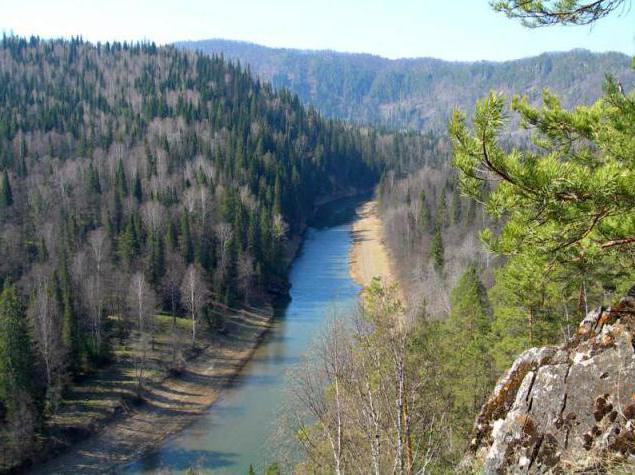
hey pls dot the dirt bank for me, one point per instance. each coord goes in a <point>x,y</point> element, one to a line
<point>170,405</point>
<point>369,256</point>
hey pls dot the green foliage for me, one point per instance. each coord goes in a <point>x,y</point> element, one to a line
<point>71,329</point>
<point>456,208</point>
<point>436,249</point>
<point>454,354</point>
<point>565,207</point>
<point>6,195</point>
<point>185,236</point>
<point>465,344</point>
<point>442,209</point>
<point>425,218</point>
<point>273,469</point>
<point>527,303</point>
<point>571,198</point>
<point>16,350</point>
<point>534,13</point>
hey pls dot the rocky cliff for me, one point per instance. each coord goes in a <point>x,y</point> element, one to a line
<point>567,408</point>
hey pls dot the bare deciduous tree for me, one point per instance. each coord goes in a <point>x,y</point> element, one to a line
<point>99,247</point>
<point>246,274</point>
<point>153,214</point>
<point>142,304</point>
<point>172,287</point>
<point>357,404</point>
<point>224,235</point>
<point>44,315</point>
<point>194,293</point>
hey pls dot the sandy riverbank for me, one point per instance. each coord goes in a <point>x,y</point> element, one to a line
<point>369,256</point>
<point>169,406</point>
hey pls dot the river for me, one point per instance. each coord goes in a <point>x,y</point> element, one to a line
<point>240,428</point>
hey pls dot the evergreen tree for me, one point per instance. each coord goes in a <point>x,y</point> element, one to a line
<point>71,335</point>
<point>536,13</point>
<point>94,185</point>
<point>455,208</point>
<point>528,306</point>
<point>437,250</point>
<point>6,195</point>
<point>137,190</point>
<point>185,239</point>
<point>425,217</point>
<point>16,350</point>
<point>121,182</point>
<point>465,343</point>
<point>128,244</point>
<point>156,258</point>
<point>442,207</point>
<point>571,199</point>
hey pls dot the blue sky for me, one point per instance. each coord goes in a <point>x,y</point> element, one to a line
<point>448,29</point>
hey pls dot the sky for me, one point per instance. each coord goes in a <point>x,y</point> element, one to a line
<point>464,30</point>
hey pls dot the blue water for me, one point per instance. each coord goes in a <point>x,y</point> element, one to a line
<point>239,428</point>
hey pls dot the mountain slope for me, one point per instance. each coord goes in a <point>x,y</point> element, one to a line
<point>417,93</point>
<point>135,180</point>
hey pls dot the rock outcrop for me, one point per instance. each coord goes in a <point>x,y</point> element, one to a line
<point>567,408</point>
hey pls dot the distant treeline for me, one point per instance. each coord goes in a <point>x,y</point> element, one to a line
<point>418,93</point>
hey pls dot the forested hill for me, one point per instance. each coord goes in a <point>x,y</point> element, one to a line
<point>418,93</point>
<point>134,179</point>
<point>159,149</point>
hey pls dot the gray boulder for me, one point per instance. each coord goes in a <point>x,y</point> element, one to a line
<point>567,408</point>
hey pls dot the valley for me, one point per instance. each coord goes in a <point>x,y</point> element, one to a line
<point>322,256</point>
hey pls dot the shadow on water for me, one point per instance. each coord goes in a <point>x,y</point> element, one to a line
<point>238,430</point>
<point>338,212</point>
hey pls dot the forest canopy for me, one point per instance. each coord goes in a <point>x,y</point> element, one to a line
<point>137,179</point>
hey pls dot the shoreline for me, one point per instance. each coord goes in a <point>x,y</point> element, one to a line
<point>133,431</point>
<point>168,407</point>
<point>369,256</point>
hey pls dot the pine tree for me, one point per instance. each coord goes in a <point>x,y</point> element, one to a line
<point>538,13</point>
<point>156,258</point>
<point>16,350</point>
<point>94,185</point>
<point>467,365</point>
<point>128,244</point>
<point>185,239</point>
<point>425,218</point>
<point>572,198</point>
<point>442,208</point>
<point>6,195</point>
<point>437,250</point>
<point>528,307</point>
<point>71,335</point>
<point>137,190</point>
<point>455,208</point>
<point>121,182</point>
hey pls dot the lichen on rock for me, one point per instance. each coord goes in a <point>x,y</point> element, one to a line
<point>566,408</point>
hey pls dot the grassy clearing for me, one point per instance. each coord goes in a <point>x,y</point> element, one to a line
<point>170,402</point>
<point>101,394</point>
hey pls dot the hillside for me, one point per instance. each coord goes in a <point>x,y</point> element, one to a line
<point>418,93</point>
<point>137,180</point>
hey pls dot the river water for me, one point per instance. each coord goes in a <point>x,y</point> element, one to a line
<point>240,428</point>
